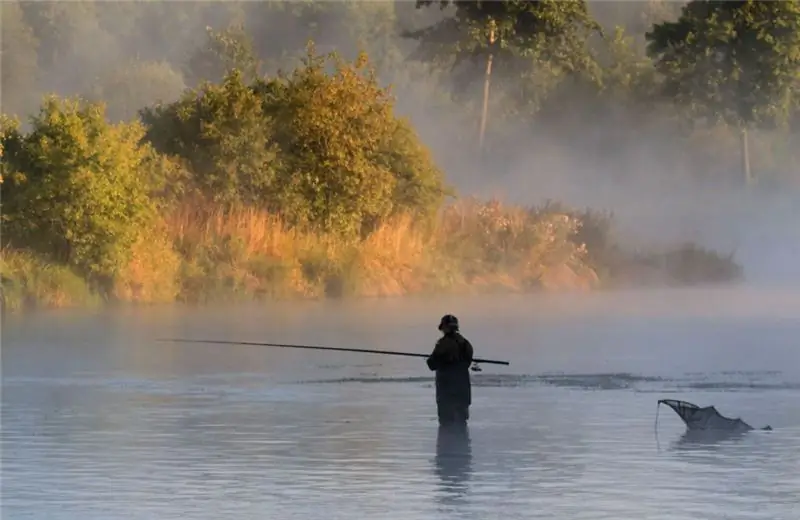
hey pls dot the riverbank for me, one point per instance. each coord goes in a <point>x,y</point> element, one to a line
<point>204,255</point>
<point>305,185</point>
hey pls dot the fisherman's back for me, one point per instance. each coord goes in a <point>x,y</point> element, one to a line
<point>451,359</point>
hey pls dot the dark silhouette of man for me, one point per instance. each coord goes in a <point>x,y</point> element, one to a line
<point>451,359</point>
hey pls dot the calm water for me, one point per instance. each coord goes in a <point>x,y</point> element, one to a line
<point>100,421</point>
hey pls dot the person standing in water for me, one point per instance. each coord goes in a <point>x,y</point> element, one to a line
<point>451,359</point>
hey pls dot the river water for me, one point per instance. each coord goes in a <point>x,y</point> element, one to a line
<point>100,421</point>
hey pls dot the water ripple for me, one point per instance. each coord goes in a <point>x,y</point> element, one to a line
<point>766,380</point>
<point>94,433</point>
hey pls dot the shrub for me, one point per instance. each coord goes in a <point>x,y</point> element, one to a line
<point>222,137</point>
<point>322,149</point>
<point>151,273</point>
<point>30,282</point>
<point>74,188</point>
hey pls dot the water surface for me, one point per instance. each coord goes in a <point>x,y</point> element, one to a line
<point>100,421</point>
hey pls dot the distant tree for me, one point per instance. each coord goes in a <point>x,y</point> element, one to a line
<point>636,18</point>
<point>731,61</point>
<point>73,47</point>
<point>135,84</point>
<point>18,66</point>
<point>519,38</point>
<point>231,48</point>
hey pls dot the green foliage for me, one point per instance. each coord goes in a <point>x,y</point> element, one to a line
<point>627,75</point>
<point>74,188</point>
<point>322,148</point>
<point>491,239</point>
<point>419,186</point>
<point>224,51</point>
<point>738,61</point>
<point>222,136</point>
<point>636,18</point>
<point>338,136</point>
<point>691,264</point>
<point>28,281</point>
<point>523,38</point>
<point>315,161</point>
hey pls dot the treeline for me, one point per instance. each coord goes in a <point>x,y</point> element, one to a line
<point>185,163</point>
<point>572,83</point>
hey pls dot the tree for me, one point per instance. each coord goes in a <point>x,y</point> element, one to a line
<point>224,51</point>
<point>223,137</point>
<point>73,47</point>
<point>322,147</point>
<point>732,61</point>
<point>76,188</point>
<point>347,161</point>
<point>134,84</point>
<point>518,37</point>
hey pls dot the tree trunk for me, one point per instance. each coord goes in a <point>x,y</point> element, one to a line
<point>748,178</point>
<point>486,84</point>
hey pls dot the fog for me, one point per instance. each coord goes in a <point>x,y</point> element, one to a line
<point>98,415</point>
<point>606,159</point>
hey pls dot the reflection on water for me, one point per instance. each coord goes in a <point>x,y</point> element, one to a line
<point>708,440</point>
<point>101,422</point>
<point>453,462</point>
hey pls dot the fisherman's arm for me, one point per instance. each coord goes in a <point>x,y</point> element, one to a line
<point>434,361</point>
<point>469,352</point>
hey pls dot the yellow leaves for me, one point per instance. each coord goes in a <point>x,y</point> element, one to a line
<point>84,197</point>
<point>335,130</point>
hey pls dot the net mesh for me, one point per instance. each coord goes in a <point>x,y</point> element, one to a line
<point>704,418</point>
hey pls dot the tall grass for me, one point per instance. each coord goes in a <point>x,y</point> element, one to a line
<point>251,254</point>
<point>201,254</point>
<point>28,282</point>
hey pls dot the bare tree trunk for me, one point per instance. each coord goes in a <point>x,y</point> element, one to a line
<point>748,178</point>
<point>486,84</point>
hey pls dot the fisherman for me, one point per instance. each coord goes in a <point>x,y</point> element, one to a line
<point>451,359</point>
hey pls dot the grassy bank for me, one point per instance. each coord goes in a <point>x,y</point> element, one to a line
<point>30,282</point>
<point>301,185</point>
<point>204,255</point>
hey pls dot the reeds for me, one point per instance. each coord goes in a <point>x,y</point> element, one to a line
<point>201,254</point>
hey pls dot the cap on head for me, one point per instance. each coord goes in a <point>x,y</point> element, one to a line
<point>448,322</point>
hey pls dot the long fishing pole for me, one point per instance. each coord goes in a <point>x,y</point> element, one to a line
<point>315,347</point>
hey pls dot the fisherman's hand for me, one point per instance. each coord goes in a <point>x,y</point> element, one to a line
<point>476,368</point>
<point>431,362</point>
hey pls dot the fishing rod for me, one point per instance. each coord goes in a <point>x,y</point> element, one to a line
<point>315,347</point>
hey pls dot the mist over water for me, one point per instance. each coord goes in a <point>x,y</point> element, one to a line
<point>584,156</point>
<point>100,420</point>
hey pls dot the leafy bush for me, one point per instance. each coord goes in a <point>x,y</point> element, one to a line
<point>222,137</point>
<point>151,274</point>
<point>74,188</point>
<point>28,281</point>
<point>322,149</point>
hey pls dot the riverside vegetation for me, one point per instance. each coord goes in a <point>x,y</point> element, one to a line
<point>306,184</point>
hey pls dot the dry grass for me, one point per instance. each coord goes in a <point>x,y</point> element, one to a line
<point>28,282</point>
<point>151,275</point>
<point>251,254</point>
<point>202,254</point>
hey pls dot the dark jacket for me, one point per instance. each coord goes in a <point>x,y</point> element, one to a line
<point>451,359</point>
